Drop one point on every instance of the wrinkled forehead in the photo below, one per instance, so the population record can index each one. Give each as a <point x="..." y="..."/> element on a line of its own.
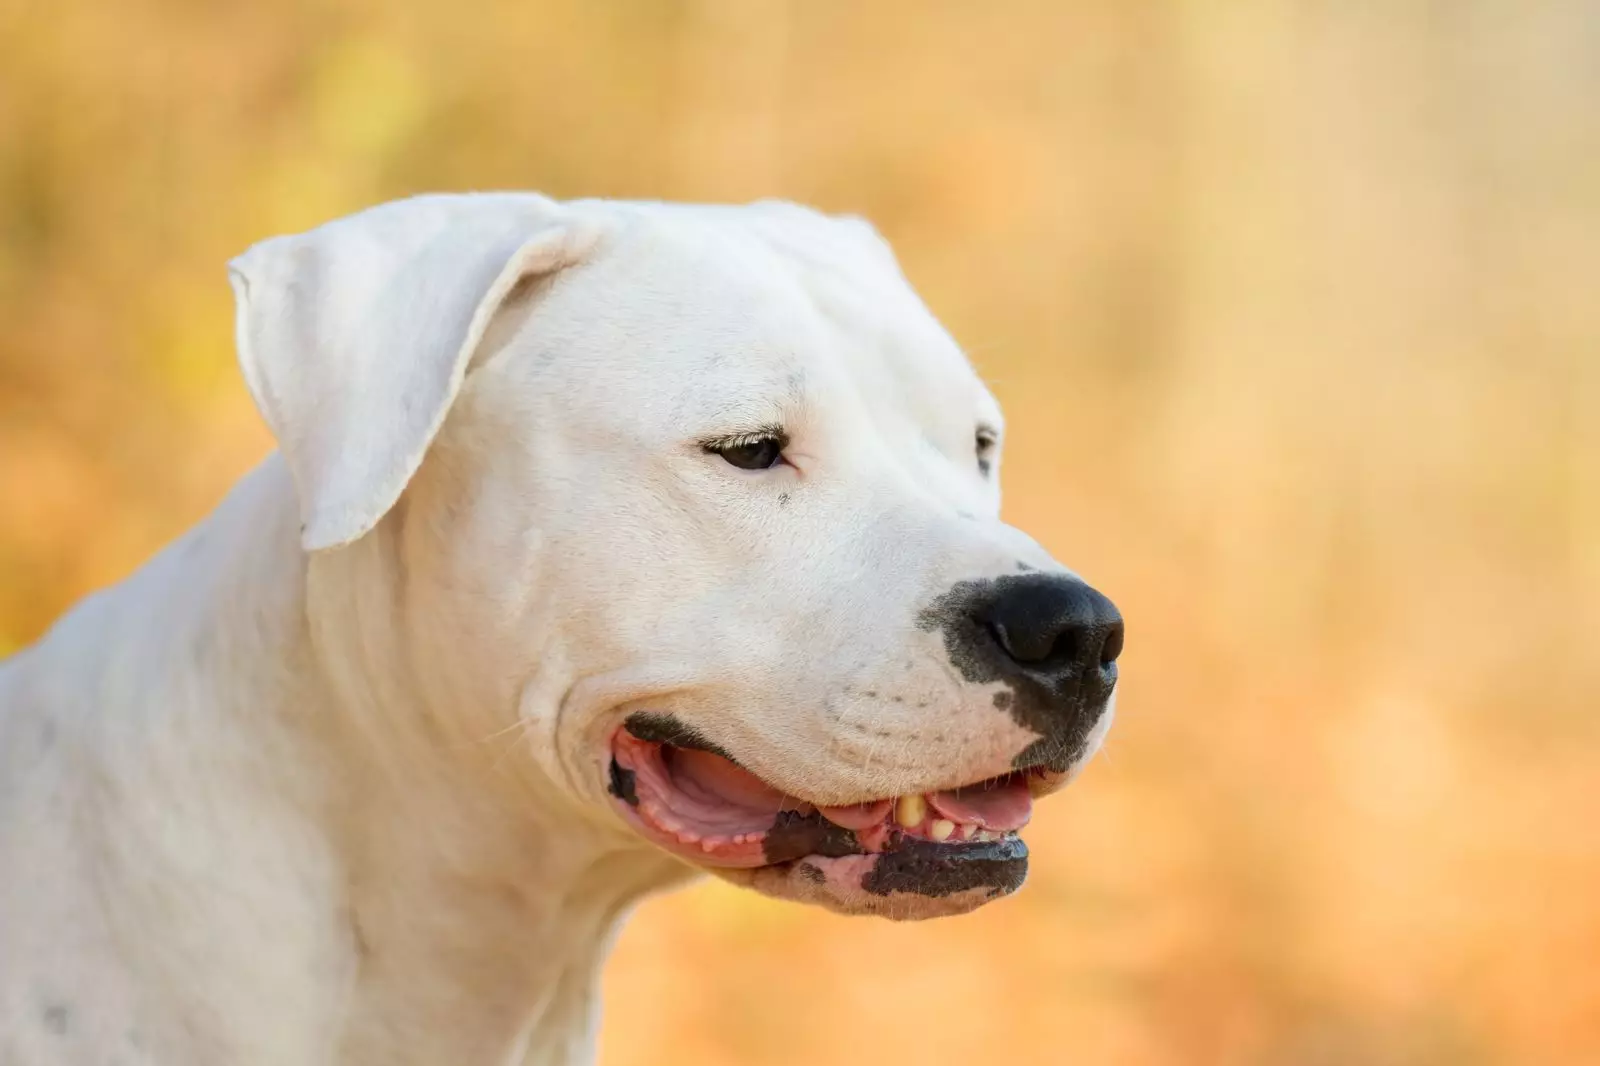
<point x="749" y="313"/>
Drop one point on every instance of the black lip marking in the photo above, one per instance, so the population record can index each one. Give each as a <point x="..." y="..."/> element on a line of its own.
<point x="666" y="729"/>
<point x="925" y="868"/>
<point x="794" y="835"/>
<point x="1060" y="711"/>
<point x="812" y="874"/>
<point x="622" y="784"/>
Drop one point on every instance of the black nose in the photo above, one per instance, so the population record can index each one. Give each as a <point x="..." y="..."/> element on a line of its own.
<point x="1050" y="640"/>
<point x="1056" y="627"/>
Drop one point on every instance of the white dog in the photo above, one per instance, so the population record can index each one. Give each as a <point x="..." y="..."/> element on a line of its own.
<point x="606" y="542"/>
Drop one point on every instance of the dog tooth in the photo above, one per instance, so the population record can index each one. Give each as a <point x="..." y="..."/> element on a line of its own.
<point x="965" y="830"/>
<point x="910" y="810"/>
<point x="941" y="829"/>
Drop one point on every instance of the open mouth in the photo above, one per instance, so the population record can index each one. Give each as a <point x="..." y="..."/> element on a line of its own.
<point x="690" y="797"/>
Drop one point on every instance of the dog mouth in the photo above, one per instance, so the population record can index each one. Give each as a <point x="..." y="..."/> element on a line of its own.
<point x="950" y="850"/>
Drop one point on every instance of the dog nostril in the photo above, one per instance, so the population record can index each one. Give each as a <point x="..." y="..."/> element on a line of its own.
<point x="1067" y="647"/>
<point x="1028" y="648"/>
<point x="997" y="631"/>
<point x="1112" y="646"/>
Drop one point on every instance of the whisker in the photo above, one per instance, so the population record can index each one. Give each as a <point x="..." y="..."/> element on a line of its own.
<point x="522" y="734"/>
<point x="520" y="723"/>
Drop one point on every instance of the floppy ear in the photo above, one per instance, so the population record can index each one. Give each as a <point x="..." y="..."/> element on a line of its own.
<point x="354" y="337"/>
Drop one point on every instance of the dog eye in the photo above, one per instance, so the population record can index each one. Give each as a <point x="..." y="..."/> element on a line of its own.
<point x="753" y="452"/>
<point x="985" y="440"/>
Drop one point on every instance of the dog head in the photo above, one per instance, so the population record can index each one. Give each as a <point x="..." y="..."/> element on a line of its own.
<point x="705" y="503"/>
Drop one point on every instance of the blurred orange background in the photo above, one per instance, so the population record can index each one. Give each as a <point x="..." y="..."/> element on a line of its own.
<point x="1295" y="310"/>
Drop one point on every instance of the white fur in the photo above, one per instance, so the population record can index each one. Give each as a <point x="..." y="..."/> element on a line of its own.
<point x="323" y="783"/>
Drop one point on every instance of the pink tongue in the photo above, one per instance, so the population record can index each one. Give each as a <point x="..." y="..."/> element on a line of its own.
<point x="711" y="776"/>
<point x="858" y="815"/>
<point x="1004" y="805"/>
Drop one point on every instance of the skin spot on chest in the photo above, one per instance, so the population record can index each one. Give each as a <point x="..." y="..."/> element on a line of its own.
<point x="57" y="1018"/>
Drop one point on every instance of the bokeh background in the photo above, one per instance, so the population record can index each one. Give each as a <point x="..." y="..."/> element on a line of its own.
<point x="1295" y="309"/>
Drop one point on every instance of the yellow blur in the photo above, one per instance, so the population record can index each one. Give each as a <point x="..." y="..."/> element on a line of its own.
<point x="1295" y="311"/>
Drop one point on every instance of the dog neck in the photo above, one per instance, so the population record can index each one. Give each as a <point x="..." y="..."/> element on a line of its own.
<point x="477" y="941"/>
<point x="482" y="898"/>
<point x="432" y="897"/>
<point x="479" y="924"/>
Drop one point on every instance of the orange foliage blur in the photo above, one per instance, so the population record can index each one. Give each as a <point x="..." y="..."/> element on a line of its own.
<point x="1295" y="309"/>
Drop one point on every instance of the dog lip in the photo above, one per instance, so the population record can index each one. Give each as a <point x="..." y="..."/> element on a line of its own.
<point x="939" y="870"/>
<point x="915" y="880"/>
<point x="1043" y="773"/>
<point x="666" y="729"/>
<point x="696" y="804"/>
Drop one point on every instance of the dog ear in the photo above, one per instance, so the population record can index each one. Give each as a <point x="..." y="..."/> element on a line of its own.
<point x="355" y="337"/>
